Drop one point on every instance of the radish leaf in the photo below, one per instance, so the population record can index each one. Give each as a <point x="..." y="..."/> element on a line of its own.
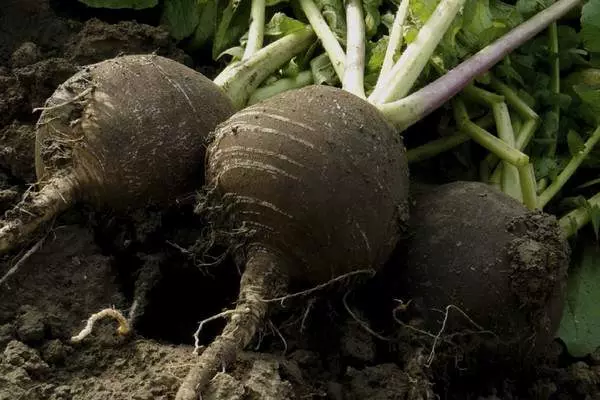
<point x="590" y="25"/>
<point x="580" y="325"/>
<point x="182" y="17"/>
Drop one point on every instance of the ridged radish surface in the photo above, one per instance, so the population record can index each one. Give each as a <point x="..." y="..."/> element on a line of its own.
<point x="319" y="177"/>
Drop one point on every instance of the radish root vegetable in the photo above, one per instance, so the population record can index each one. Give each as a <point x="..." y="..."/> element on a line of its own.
<point x="322" y="192"/>
<point x="120" y="133"/>
<point x="473" y="247"/>
<point x="318" y="177"/>
<point x="131" y="131"/>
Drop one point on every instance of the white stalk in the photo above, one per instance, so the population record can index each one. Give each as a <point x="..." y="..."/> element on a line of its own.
<point x="257" y="28"/>
<point x="394" y="43"/>
<point x="398" y="82"/>
<point x="328" y="40"/>
<point x="354" y="72"/>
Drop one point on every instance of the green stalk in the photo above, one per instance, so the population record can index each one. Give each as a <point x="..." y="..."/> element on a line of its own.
<point x="569" y="170"/>
<point x="257" y="28"/>
<point x="354" y="72"/>
<point x="304" y="78"/>
<point x="328" y="40"/>
<point x="400" y="80"/>
<point x="243" y="78"/>
<point x="555" y="75"/>
<point x="438" y="146"/>
<point x="542" y="184"/>
<point x="405" y="112"/>
<point x="531" y="117"/>
<point x="484" y="138"/>
<point x="528" y="186"/>
<point x="435" y="147"/>
<point x="511" y="182"/>
<point x="526" y="131"/>
<point x="394" y="43"/>
<point x="576" y="219"/>
<point x="482" y="96"/>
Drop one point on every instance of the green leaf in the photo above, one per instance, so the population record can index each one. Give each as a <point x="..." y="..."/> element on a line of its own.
<point x="207" y="23"/>
<point x="372" y="16"/>
<point x="546" y="167"/>
<point x="235" y="52"/>
<point x="580" y="325"/>
<point x="375" y="53"/>
<point x="116" y="4"/>
<point x="594" y="211"/>
<point x="323" y="71"/>
<point x="235" y="21"/>
<point x="530" y="7"/>
<point x="181" y="17"/>
<point x="590" y="25"/>
<point x="281" y="25"/>
<point x="335" y="14"/>
<point x="575" y="142"/>
<point x="590" y="97"/>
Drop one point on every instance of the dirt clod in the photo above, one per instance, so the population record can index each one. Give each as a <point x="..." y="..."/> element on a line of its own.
<point x="17" y="151"/>
<point x="381" y="382"/>
<point x="357" y="344"/>
<point x="19" y="355"/>
<point x="224" y="387"/>
<point x="99" y="40"/>
<point x="30" y="325"/>
<point x="28" y="53"/>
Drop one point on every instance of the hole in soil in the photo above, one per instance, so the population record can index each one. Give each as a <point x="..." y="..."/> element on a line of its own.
<point x="155" y="268"/>
<point x="185" y="296"/>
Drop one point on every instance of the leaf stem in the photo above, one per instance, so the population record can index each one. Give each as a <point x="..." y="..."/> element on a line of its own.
<point x="576" y="219"/>
<point x="243" y="78"/>
<point x="354" y="72"/>
<point x="569" y="170"/>
<point x="528" y="186"/>
<point x="405" y="112"/>
<point x="257" y="28"/>
<point x="325" y="34"/>
<point x="400" y="80"/>
<point x="554" y="76"/>
<point x="303" y="78"/>
<point x="511" y="182"/>
<point x="394" y="43"/>
<point x="484" y="138"/>
<point x="438" y="146"/>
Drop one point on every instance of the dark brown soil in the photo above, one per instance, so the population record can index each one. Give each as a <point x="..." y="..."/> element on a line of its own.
<point x="313" y="348"/>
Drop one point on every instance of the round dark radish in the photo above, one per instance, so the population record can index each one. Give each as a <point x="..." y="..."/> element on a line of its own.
<point x="477" y="250"/>
<point x="319" y="181"/>
<point x="121" y="134"/>
<point x="131" y="131"/>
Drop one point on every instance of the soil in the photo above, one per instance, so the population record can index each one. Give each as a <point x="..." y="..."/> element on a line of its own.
<point x="341" y="343"/>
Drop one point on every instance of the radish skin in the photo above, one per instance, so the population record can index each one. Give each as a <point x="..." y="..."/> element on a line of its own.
<point x="316" y="179"/>
<point x="332" y="200"/>
<point x="130" y="131"/>
<point x="105" y="137"/>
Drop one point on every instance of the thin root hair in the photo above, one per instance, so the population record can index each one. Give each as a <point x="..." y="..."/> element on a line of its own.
<point x="280" y="335"/>
<point x="222" y="314"/>
<point x="339" y="278"/>
<point x="24" y="258"/>
<point x="70" y="101"/>
<point x="360" y="322"/>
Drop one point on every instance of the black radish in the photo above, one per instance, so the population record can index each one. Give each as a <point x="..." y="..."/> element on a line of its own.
<point x="501" y="268"/>
<point x="317" y="177"/>
<point x="131" y="131"/>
